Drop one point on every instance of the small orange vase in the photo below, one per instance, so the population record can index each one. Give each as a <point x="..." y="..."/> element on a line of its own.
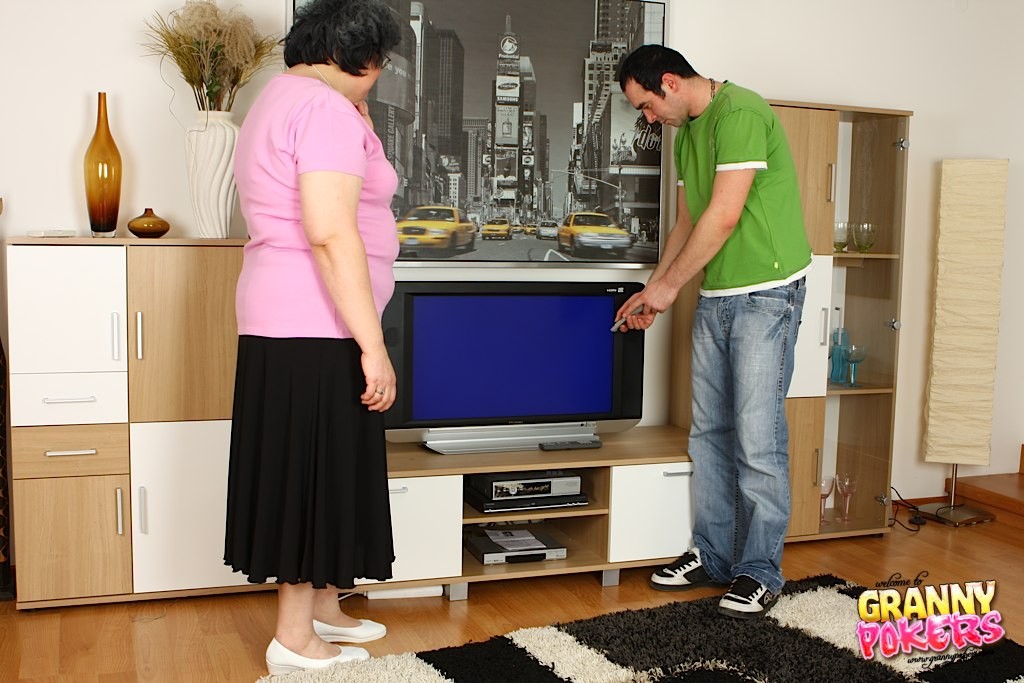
<point x="148" y="225"/>
<point x="102" y="176"/>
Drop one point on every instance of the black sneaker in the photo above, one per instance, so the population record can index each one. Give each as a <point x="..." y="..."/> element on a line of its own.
<point x="746" y="599"/>
<point x="686" y="572"/>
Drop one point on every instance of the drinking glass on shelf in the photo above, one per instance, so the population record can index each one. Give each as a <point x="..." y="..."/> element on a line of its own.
<point x="854" y="354"/>
<point x="864" y="236"/>
<point x="846" y="486"/>
<point x="827" y="484"/>
<point x="840" y="236"/>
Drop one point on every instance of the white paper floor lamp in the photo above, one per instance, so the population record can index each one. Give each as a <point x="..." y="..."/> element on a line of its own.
<point x="965" y="326"/>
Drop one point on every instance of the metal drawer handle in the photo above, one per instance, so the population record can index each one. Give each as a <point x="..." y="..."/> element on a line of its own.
<point x="80" y="399"/>
<point x="55" y="454"/>
<point x="115" y="334"/>
<point x="404" y="489"/>
<point x="143" y="511"/>
<point x="120" y="512"/>
<point x="677" y="474"/>
<point x="824" y="327"/>
<point x="138" y="335"/>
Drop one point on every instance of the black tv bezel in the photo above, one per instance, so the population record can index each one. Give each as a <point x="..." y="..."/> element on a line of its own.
<point x="627" y="350"/>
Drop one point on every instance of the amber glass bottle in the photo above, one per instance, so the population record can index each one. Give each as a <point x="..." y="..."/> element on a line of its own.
<point x="102" y="176"/>
<point x="148" y="225"/>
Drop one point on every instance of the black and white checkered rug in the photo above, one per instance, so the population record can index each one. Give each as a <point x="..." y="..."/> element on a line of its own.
<point x="809" y="635"/>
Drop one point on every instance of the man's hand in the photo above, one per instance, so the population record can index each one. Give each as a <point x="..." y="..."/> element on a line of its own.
<point x="655" y="298"/>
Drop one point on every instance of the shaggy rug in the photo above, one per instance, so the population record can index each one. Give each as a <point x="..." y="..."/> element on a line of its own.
<point x="809" y="635"/>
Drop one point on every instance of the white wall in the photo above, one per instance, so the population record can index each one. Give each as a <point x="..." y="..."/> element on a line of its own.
<point x="956" y="64"/>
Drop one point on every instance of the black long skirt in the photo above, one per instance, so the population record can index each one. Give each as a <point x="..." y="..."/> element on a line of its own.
<point x="307" y="482"/>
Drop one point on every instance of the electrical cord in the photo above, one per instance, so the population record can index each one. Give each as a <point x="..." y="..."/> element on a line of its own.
<point x="902" y="500"/>
<point x="916" y="520"/>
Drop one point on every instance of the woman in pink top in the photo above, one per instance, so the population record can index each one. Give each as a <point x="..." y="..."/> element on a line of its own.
<point x="307" y="487"/>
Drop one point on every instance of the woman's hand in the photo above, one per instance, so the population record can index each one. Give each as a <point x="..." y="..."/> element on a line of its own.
<point x="381" y="385"/>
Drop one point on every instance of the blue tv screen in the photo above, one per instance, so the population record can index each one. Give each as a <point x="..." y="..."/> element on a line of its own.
<point x="479" y="356"/>
<point x="505" y="353"/>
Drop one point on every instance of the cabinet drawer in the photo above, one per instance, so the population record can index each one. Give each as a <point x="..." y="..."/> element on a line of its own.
<point x="69" y="398"/>
<point x="71" y="451"/>
<point x="426" y="519"/>
<point x="651" y="511"/>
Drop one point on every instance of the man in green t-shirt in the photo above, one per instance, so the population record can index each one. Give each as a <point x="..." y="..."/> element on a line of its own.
<point x="739" y="220"/>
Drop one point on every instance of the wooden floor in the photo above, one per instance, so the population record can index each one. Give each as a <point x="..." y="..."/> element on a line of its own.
<point x="223" y="638"/>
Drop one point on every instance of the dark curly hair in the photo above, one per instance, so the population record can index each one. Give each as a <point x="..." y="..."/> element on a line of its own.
<point x="648" y="63"/>
<point x="354" y="34"/>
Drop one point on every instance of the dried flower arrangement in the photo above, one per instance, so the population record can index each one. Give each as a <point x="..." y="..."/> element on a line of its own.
<point x="216" y="51"/>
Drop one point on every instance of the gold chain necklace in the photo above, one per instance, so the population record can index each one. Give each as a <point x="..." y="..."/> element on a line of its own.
<point x="712" y="88"/>
<point x="324" y="79"/>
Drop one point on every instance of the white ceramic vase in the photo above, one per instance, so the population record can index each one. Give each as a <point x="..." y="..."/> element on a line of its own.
<point x="210" y="160"/>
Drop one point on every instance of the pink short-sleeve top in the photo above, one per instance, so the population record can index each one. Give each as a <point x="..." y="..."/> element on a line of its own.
<point x="298" y="125"/>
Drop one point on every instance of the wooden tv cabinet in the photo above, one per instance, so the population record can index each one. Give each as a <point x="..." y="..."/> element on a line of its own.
<point x="635" y="482"/>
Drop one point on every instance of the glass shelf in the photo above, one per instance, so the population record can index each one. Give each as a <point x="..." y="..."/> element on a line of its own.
<point x="864" y="388"/>
<point x="858" y="256"/>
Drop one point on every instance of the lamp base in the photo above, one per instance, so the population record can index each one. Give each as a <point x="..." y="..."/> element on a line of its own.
<point x="954" y="515"/>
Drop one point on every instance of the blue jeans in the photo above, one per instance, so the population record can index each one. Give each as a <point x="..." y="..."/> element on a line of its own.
<point x="739" y="440"/>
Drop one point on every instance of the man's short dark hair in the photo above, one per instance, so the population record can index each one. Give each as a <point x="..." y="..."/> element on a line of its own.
<point x="648" y="63"/>
<point x="354" y="34"/>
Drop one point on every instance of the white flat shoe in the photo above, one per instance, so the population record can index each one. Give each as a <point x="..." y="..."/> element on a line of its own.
<point x="281" y="660"/>
<point x="364" y="633"/>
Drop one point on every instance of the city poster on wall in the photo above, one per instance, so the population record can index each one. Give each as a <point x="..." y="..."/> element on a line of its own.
<point x="511" y="137"/>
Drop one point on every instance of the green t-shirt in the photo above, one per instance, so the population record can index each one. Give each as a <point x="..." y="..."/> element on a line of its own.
<point x="739" y="130"/>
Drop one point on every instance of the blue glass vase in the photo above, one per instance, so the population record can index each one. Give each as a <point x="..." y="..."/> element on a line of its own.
<point x="839" y="367"/>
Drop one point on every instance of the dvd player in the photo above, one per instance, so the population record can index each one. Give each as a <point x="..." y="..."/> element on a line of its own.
<point x="484" y="504"/>
<point x="533" y="484"/>
<point x="508" y="544"/>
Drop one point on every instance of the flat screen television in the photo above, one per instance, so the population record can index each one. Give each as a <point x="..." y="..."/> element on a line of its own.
<point x="497" y="366"/>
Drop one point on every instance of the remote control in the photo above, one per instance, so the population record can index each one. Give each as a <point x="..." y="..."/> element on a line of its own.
<point x="568" y="445"/>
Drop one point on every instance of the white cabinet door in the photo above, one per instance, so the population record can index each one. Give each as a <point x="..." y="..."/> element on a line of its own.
<point x="810" y="370"/>
<point x="651" y="511"/>
<point x="179" y="474"/>
<point x="426" y="522"/>
<point x="67" y="308"/>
